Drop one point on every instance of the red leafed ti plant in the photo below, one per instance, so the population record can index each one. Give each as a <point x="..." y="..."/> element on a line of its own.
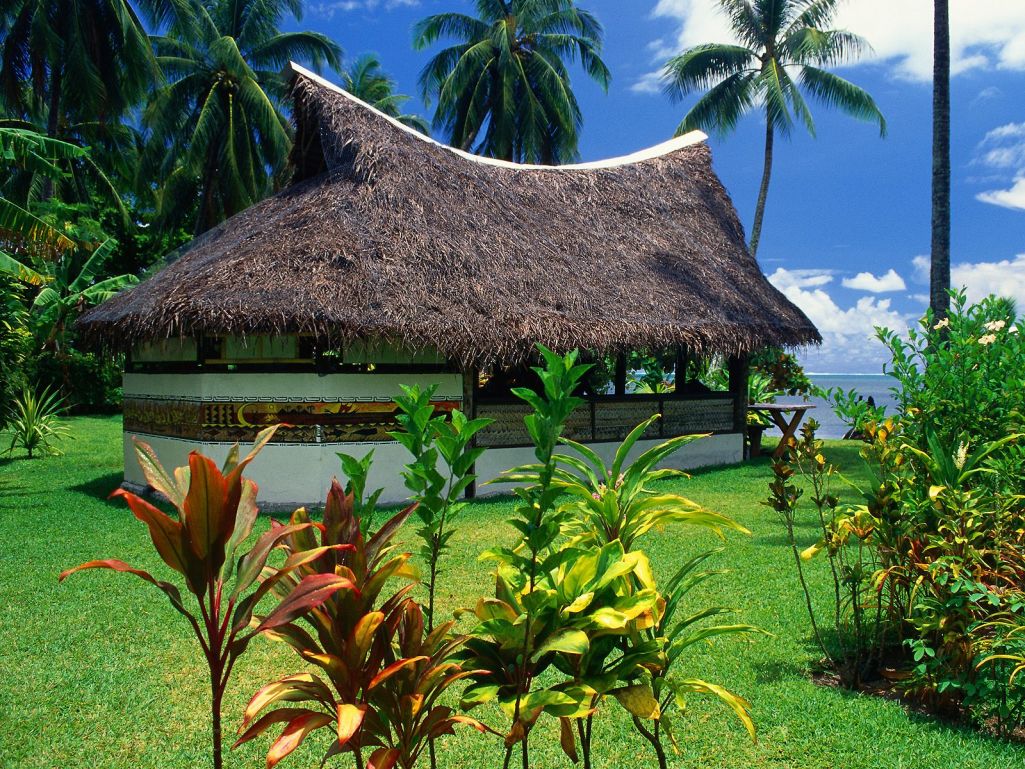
<point x="383" y="676"/>
<point x="216" y="514"/>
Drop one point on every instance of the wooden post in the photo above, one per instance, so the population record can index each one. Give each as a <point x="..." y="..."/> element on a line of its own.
<point x="620" y="374"/>
<point x="680" y="375"/>
<point x="738" y="372"/>
<point x="470" y="410"/>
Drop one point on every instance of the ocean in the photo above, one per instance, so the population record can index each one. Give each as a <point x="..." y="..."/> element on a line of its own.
<point x="876" y="385"/>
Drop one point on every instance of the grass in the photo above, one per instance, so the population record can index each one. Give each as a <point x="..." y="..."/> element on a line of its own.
<point x="101" y="672"/>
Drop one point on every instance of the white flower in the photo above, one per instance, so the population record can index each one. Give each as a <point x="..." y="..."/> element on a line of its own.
<point x="1012" y="330"/>
<point x="962" y="456"/>
<point x="942" y="324"/>
<point x="987" y="339"/>
<point x="995" y="325"/>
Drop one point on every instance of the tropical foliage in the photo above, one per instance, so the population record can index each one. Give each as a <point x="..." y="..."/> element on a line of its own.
<point x="66" y="64"/>
<point x="503" y="89"/>
<point x="216" y="514"/>
<point x="34" y="422"/>
<point x="576" y="604"/>
<point x="439" y="475"/>
<point x="383" y="671"/>
<point x="365" y="80"/>
<point x="783" y="48"/>
<point x="218" y="133"/>
<point x="931" y="567"/>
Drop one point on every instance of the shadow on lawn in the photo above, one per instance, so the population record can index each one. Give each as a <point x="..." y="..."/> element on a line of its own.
<point x="775" y="671"/>
<point x="101" y="487"/>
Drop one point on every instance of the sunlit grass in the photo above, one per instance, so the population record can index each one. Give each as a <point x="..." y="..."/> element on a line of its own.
<point x="100" y="671"/>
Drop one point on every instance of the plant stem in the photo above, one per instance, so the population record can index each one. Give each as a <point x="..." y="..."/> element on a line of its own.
<point x="804" y="587"/>
<point x="216" y="693"/>
<point x="653" y="738"/>
<point x="585" y="740"/>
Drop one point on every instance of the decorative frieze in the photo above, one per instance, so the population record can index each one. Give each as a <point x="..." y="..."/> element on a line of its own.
<point x="229" y="421"/>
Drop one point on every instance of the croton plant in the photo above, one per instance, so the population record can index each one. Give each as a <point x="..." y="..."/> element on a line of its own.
<point x="216" y="513"/>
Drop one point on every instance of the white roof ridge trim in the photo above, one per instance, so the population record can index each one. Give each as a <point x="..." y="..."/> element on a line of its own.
<point x="658" y="150"/>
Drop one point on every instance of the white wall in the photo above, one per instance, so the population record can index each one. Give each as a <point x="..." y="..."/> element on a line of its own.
<point x="290" y="475"/>
<point x="288" y="386"/>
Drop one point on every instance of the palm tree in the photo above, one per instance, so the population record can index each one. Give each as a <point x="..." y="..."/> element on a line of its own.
<point x="365" y="80"/>
<point x="218" y="133"/>
<point x="78" y="61"/>
<point x="939" y="273"/>
<point x="778" y="39"/>
<point x="504" y="89"/>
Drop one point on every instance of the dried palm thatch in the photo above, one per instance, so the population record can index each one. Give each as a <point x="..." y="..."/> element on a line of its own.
<point x="386" y="235"/>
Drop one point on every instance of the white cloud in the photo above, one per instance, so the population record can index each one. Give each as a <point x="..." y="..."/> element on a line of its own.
<point x="848" y="335"/>
<point x="784" y="279"/>
<point x="1003" y="150"/>
<point x="649" y="82"/>
<point x="1003" y="147"/>
<point x="1014" y="197"/>
<point x="866" y="281"/>
<point x="988" y="93"/>
<point x="1003" y="278"/>
<point x="329" y="8"/>
<point x="985" y="34"/>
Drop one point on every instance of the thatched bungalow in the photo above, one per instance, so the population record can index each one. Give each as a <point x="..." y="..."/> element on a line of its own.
<point x="394" y="259"/>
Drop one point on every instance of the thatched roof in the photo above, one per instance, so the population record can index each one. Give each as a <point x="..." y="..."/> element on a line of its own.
<point x="388" y="235"/>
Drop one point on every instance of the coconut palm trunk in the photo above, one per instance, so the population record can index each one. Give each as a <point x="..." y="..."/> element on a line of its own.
<point x="939" y="275"/>
<point x="763" y="191"/>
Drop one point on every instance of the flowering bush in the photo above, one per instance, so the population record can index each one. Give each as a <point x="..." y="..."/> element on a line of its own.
<point x="945" y="515"/>
<point x="955" y="374"/>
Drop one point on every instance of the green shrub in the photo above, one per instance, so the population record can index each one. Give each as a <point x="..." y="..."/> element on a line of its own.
<point x="578" y="617"/>
<point x="945" y="518"/>
<point x="90" y="382"/>
<point x="35" y="422"/>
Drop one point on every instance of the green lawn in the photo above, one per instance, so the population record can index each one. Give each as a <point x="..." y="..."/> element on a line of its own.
<point x="100" y="672"/>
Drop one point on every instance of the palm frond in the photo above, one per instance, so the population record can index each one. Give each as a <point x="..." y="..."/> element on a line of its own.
<point x="705" y="66"/>
<point x="833" y="91"/>
<point x="719" y="110"/>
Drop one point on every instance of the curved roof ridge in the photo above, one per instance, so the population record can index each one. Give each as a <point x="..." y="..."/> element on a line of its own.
<point x="649" y="153"/>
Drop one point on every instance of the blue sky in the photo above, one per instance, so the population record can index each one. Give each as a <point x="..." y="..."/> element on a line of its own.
<point x="847" y="223"/>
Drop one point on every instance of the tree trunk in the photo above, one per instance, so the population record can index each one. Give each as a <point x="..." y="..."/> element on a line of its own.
<point x="939" y="275"/>
<point x="763" y="192"/>
<point x="53" y="118"/>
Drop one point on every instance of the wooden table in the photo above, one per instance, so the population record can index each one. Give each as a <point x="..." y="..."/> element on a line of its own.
<point x="775" y="412"/>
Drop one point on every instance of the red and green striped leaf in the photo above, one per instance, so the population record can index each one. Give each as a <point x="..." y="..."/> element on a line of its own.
<point x="293" y="735"/>
<point x="350" y="718"/>
<point x="310" y="593"/>
<point x="173" y="594"/>
<point x="156" y="476"/>
<point x="383" y="758"/>
<point x="262" y="724"/>
<point x="168" y="537"/>
<point x="395" y="667"/>
<point x="302" y="687"/>
<point x="204" y="506"/>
